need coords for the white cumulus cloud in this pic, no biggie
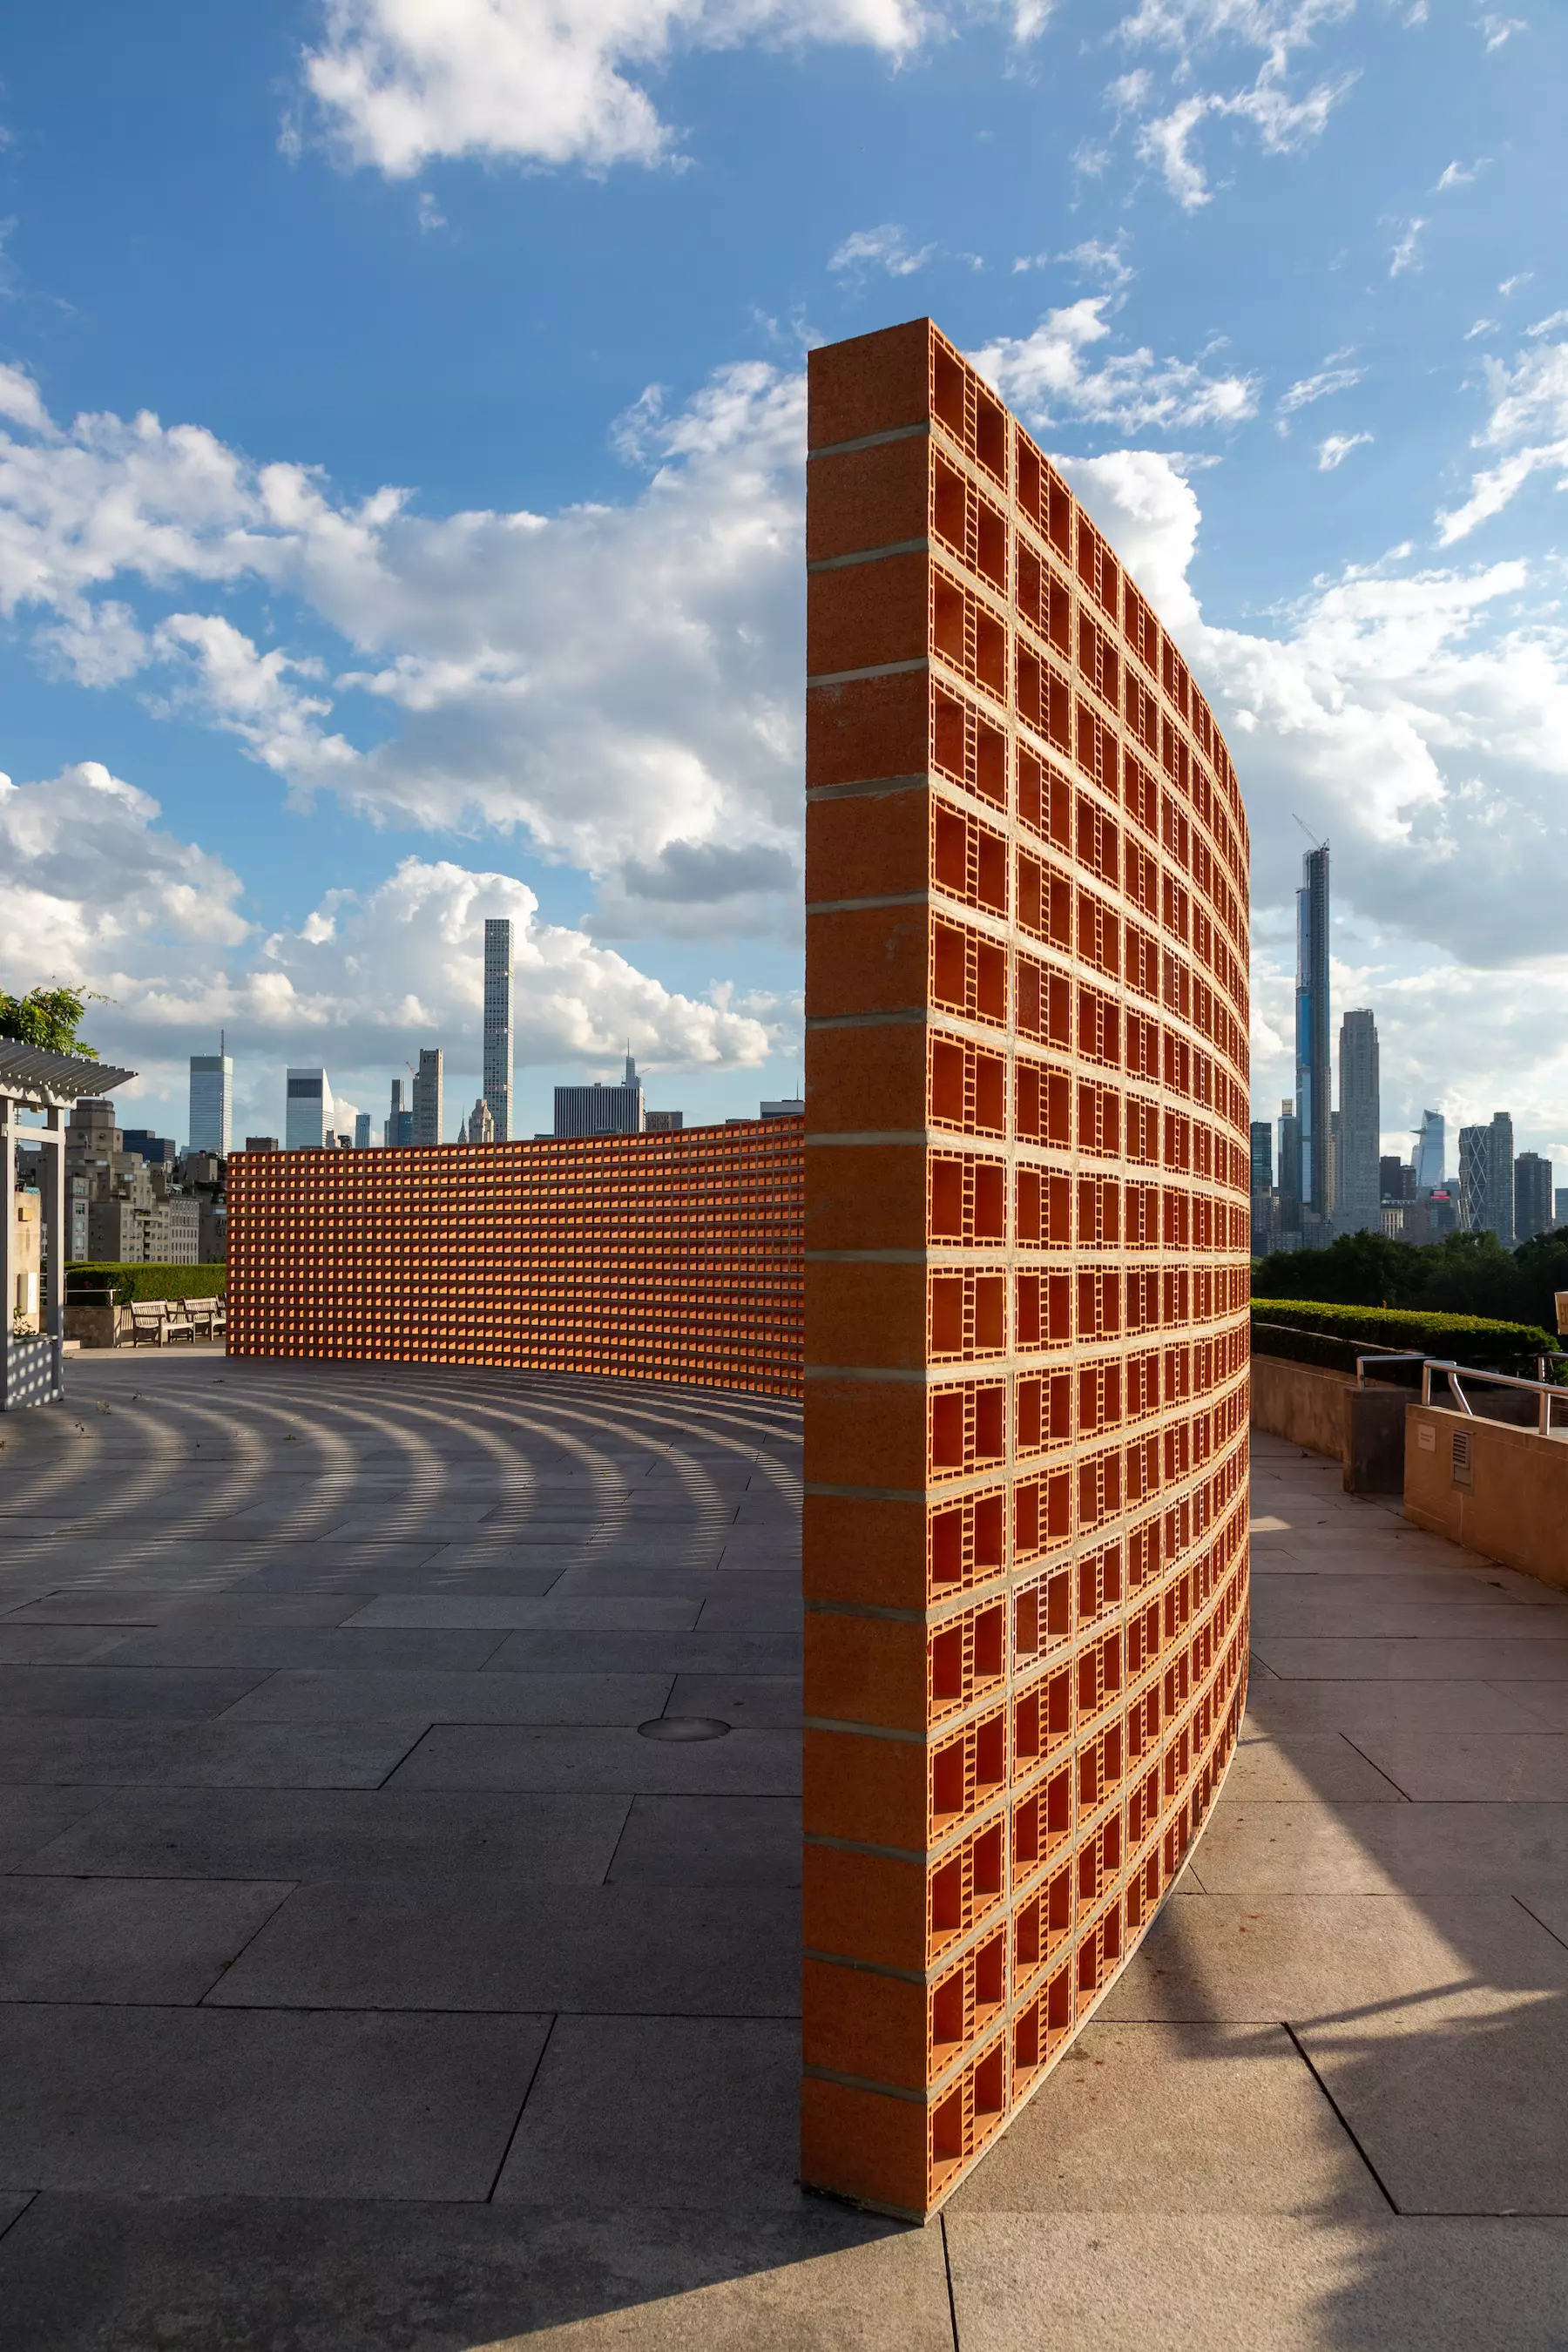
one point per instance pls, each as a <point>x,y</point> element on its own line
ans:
<point>1060,372</point>
<point>397,82</point>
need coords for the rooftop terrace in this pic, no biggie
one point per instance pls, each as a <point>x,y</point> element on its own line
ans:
<point>367,1981</point>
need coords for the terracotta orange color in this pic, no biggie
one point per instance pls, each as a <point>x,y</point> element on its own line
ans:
<point>667,1257</point>
<point>1026,1277</point>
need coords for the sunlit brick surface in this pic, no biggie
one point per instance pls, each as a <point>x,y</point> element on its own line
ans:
<point>656,1257</point>
<point>1027,1268</point>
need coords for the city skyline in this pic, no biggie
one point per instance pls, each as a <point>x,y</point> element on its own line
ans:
<point>298,690</point>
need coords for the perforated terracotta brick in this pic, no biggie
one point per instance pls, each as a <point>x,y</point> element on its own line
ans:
<point>669,1257</point>
<point>1027,1268</point>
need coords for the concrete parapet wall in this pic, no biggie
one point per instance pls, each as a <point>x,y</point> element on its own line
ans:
<point>1363,1428</point>
<point>1300,1401</point>
<point>1514,1508</point>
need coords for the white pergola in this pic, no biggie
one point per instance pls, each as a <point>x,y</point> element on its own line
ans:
<point>32,1369</point>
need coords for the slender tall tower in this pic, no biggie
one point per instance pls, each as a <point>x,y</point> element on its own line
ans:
<point>498,1023</point>
<point>1313,1067</point>
<point>1359,1203</point>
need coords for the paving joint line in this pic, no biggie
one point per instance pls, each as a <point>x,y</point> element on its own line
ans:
<point>947,2273</point>
<point>1340,2114</point>
<point>523,2109</point>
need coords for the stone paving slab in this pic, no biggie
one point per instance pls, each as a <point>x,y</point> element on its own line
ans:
<point>1425,1849</point>
<point>1213,2117</point>
<point>205,2101</point>
<point>121,1690</point>
<point>710,1842</point>
<point>1296,1957</point>
<point>1446,2095</point>
<point>274,1648</point>
<point>675,2111</point>
<point>504,1942</point>
<point>125,1939</point>
<point>314,1833</point>
<point>341,1694</point>
<point>1361,1708</point>
<point>558,1759</point>
<point>699,1652</point>
<point>1307,1766</point>
<point>261,2274</point>
<point>1472,1766</point>
<point>1439,1658</point>
<point>31,1818</point>
<point>1165,2282</point>
<point>102,1753</point>
<point>741,1699</point>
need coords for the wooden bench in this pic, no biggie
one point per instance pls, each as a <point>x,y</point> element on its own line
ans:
<point>161,1320</point>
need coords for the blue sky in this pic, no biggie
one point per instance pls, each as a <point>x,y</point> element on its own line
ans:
<point>401,492</point>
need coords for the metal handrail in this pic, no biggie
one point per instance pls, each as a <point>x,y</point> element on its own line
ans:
<point>1544,1390</point>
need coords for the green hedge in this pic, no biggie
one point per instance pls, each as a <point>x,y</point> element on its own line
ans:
<point>132,1282</point>
<point>1316,1333</point>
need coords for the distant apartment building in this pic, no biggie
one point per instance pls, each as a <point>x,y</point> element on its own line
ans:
<point>158,1233</point>
<point>788,1106</point>
<point>599,1110</point>
<point>361,1131</point>
<point>1560,1204</point>
<point>497,1039</point>
<point>480,1124</point>
<point>1531,1196</point>
<point>663,1122</point>
<point>429,1089</point>
<point>153,1150</point>
<point>310,1115</point>
<point>212,1103</point>
<point>1396,1181</point>
<point>261,1143</point>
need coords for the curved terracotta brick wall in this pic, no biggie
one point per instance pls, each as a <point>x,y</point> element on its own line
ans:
<point>1027,1268</point>
<point>671,1256</point>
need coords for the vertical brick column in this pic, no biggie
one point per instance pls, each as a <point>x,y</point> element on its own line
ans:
<point>1027,1268</point>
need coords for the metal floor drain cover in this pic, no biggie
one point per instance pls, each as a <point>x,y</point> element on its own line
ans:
<point>683,1727</point>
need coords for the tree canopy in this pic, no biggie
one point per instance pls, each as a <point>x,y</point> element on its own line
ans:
<point>48,1018</point>
<point>1463,1274</point>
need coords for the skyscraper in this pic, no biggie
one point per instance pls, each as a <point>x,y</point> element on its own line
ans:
<point>600,1110</point>
<point>399,1127</point>
<point>1313,1069</point>
<point>498,1023</point>
<point>362,1130</point>
<point>1500,1177</point>
<point>1531,1196</point>
<point>1485,1178</point>
<point>212,1103</point>
<point>1430,1153</point>
<point>1358,1207</point>
<point>428,1087</point>
<point>1262,1188</point>
<point>310,1112</point>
